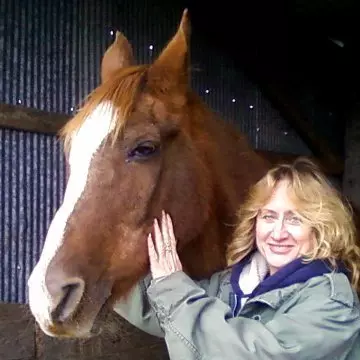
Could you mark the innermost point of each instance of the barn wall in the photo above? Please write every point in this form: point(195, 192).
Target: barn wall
point(51, 51)
point(31, 185)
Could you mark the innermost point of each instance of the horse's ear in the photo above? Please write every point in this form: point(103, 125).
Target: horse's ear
point(171, 69)
point(118, 55)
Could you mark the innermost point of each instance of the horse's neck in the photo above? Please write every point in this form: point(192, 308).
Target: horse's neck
point(205, 255)
point(235, 161)
point(235, 167)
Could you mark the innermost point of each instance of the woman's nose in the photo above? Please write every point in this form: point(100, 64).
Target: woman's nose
point(279, 230)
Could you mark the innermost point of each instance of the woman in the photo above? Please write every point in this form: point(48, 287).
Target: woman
point(289, 291)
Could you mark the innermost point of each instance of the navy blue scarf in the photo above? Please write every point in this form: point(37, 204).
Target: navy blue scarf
point(295, 272)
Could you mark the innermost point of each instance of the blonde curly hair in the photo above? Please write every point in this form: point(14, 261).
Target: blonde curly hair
point(318, 203)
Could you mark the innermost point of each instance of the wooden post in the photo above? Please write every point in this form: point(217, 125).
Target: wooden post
point(351, 178)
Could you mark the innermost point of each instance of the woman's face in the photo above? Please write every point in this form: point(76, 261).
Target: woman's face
point(281, 236)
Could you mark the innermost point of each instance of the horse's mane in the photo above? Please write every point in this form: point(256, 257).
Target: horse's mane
point(121, 91)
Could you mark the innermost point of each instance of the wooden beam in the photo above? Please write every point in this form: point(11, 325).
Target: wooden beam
point(28, 119)
point(33, 120)
point(351, 178)
point(273, 79)
point(292, 113)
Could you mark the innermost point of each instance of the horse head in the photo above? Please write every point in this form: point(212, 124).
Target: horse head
point(142, 142)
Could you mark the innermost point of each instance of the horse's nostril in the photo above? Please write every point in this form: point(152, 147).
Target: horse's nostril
point(70, 300)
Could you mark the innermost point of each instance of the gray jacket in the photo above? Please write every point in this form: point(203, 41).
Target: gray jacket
point(318, 319)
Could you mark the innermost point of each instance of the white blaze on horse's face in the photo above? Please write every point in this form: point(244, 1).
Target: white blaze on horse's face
point(84, 145)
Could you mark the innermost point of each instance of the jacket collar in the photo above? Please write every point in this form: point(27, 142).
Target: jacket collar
point(293, 273)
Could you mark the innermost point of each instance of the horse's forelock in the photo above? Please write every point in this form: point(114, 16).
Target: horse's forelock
point(122, 92)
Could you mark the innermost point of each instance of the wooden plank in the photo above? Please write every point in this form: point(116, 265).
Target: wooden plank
point(120, 340)
point(27, 119)
point(22, 339)
point(21, 118)
point(151, 352)
point(17, 330)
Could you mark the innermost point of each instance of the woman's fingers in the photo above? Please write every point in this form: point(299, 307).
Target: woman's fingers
point(163, 256)
point(166, 232)
point(170, 230)
point(159, 242)
point(152, 251)
point(177, 262)
point(164, 228)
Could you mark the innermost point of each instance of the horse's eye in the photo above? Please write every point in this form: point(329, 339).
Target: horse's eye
point(143, 150)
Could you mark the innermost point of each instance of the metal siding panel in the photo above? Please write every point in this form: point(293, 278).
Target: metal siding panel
point(32, 184)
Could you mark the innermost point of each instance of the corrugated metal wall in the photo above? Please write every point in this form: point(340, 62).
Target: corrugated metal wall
point(50, 56)
point(31, 186)
point(52, 51)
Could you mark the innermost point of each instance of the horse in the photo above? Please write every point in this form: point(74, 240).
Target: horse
point(143, 141)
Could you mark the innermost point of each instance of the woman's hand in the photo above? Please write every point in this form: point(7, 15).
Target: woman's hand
point(164, 259)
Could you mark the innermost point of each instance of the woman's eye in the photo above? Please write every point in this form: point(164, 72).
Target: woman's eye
point(143, 150)
point(268, 217)
point(294, 220)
